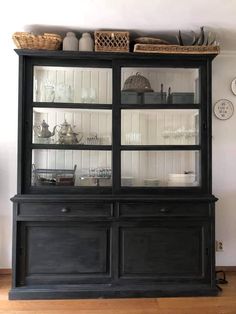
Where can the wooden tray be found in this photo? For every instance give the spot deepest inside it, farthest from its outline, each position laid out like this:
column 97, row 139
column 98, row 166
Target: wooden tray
column 152, row 48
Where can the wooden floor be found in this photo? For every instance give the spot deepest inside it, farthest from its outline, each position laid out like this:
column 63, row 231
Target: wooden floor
column 225, row 303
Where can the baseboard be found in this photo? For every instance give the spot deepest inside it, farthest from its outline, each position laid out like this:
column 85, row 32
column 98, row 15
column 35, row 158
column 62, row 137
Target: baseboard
column 109, row 291
column 5, row 271
column 226, row 268
column 8, row 271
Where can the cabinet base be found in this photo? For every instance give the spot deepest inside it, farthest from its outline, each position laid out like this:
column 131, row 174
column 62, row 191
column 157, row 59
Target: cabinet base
column 109, row 291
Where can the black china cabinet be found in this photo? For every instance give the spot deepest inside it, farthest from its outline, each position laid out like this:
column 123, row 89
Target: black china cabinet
column 114, row 191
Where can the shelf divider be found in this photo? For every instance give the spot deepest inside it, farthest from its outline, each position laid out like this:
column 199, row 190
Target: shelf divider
column 159, row 147
column 160, row 106
column 71, row 147
column 71, row 105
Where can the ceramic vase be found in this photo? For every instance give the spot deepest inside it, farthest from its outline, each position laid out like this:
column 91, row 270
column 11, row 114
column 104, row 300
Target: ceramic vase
column 70, row 42
column 86, row 42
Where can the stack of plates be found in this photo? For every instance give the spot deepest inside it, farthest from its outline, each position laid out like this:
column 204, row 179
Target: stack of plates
column 181, row 179
column 151, row 182
column 127, row 181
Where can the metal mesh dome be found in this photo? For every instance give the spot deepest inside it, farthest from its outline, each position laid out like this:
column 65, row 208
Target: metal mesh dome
column 137, row 83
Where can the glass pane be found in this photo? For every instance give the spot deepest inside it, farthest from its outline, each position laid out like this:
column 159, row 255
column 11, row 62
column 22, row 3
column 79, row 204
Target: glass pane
column 72, row 85
column 160, row 127
column 159, row 86
column 72, row 126
column 160, row 168
column 71, row 168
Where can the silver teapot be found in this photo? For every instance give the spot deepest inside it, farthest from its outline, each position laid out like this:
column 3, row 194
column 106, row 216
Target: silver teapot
column 42, row 131
column 67, row 134
column 63, row 128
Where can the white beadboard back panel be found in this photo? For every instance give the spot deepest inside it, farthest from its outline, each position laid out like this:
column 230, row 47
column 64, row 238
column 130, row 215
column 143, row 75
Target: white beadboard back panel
column 78, row 85
column 159, row 127
column 178, row 79
column 148, row 127
column 86, row 123
column 73, row 85
column 137, row 167
column 85, row 160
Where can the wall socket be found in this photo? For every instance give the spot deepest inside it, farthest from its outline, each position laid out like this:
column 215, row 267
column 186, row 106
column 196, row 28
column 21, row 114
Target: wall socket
column 219, row 246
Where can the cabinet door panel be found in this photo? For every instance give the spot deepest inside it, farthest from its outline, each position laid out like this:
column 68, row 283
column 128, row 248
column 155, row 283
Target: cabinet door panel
column 56, row 252
column 163, row 250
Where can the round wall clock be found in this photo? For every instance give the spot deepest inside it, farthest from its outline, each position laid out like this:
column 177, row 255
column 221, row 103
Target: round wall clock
column 233, row 86
column 223, row 109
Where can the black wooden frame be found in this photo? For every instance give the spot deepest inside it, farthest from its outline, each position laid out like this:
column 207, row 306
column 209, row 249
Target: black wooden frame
column 116, row 207
column 115, row 62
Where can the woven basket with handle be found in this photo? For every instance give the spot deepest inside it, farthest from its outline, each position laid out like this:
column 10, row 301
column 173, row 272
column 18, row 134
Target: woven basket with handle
column 111, row 41
column 24, row 40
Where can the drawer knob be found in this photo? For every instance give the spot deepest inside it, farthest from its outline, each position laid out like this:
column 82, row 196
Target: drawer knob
column 164, row 210
column 65, row 210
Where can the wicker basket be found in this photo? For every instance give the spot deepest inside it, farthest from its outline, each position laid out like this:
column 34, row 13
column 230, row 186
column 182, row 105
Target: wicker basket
column 24, row 40
column 53, row 176
column 111, row 41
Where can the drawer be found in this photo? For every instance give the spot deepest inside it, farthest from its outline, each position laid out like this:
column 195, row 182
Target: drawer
column 66, row 209
column 159, row 209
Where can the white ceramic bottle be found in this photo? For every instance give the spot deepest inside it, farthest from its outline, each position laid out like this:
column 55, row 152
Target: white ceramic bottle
column 70, row 42
column 86, row 42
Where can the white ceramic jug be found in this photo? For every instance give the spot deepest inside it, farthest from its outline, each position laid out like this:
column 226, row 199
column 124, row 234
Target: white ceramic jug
column 70, row 42
column 86, row 42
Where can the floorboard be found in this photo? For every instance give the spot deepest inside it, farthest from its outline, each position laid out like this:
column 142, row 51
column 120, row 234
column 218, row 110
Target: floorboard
column 225, row 303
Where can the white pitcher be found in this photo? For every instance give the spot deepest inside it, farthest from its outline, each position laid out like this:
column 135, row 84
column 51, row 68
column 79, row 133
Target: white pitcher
column 86, row 42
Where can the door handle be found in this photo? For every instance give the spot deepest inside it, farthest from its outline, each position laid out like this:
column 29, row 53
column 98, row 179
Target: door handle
column 164, row 210
column 65, row 210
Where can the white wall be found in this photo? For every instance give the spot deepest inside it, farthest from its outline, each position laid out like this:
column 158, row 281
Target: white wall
column 224, row 160
column 149, row 15
column 8, row 142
